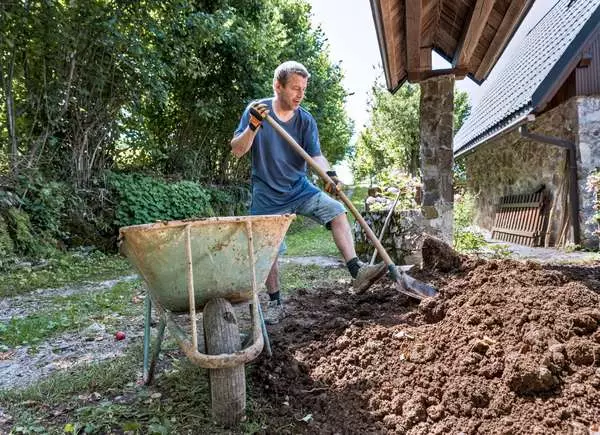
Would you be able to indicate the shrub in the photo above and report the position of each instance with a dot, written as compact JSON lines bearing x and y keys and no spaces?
{"x":6,"y":244}
{"x":465,"y":239}
{"x":143,"y":199}
{"x":44,"y":201}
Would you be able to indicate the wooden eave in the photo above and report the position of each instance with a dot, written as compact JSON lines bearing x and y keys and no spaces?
{"x":470,"y":34}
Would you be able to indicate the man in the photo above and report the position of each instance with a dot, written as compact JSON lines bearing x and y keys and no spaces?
{"x":279,"y":181}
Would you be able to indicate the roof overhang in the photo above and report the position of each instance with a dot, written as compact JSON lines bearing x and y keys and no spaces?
{"x":470,"y":34}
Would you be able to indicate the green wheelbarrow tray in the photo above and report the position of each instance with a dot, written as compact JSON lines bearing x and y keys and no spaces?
{"x":185,"y":264}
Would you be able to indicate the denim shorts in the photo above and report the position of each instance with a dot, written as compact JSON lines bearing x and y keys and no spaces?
{"x":320,"y":207}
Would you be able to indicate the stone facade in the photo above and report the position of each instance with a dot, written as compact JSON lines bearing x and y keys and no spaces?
{"x":437,"y":158}
{"x":511,"y":165}
{"x":588,"y":112}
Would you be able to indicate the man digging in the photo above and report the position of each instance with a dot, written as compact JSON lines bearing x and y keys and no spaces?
{"x":279,"y":175}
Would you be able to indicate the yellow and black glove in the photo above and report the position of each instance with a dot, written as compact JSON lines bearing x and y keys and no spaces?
{"x":333,"y":188}
{"x":258,"y":112}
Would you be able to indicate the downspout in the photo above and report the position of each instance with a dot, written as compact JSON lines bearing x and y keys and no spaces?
{"x":572,"y":161}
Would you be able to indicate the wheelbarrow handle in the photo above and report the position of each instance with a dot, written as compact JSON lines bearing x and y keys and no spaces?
{"x":321,"y":172}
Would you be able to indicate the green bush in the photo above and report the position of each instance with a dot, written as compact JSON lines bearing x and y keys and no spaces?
{"x":465,"y":239}
{"x":143,"y":199}
{"x":6,"y":244}
{"x":44,"y":201}
{"x":21,"y":232}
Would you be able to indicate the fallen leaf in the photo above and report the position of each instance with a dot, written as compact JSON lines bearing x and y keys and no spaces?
{"x":307,"y":418}
{"x":7,"y":355}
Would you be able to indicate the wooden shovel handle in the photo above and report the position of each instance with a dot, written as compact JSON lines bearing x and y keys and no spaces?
{"x":311,"y":162}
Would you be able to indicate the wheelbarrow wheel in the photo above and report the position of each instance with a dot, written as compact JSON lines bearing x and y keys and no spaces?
{"x":227,"y":386}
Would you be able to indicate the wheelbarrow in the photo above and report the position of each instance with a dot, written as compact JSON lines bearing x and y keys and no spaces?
{"x":207,"y":265}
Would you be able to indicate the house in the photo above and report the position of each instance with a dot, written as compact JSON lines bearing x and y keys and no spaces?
{"x":538,"y":124}
{"x":471,"y":34}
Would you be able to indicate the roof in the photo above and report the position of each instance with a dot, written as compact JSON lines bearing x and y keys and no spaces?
{"x":470,"y":34}
{"x":543,"y":61}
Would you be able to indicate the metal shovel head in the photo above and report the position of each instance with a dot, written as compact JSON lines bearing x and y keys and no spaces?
{"x":418,"y":286}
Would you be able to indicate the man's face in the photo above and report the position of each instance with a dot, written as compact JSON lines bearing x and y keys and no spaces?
{"x":292,"y":94}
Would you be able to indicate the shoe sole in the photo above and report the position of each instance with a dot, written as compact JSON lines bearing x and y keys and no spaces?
{"x":372,"y":281}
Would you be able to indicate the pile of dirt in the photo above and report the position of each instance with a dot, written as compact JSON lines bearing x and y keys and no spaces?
{"x":506,"y":347}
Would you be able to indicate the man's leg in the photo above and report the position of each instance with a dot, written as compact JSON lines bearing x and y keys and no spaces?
{"x":274,"y":311}
{"x":342,"y":236}
{"x":332,"y":214}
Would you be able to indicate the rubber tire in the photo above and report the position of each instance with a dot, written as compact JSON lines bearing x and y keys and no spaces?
{"x":227,"y":386}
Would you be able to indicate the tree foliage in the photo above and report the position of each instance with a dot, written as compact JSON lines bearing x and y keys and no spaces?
{"x":153,"y":85}
{"x":392,"y":140}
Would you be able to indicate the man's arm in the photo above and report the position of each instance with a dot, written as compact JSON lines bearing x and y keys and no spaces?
{"x":241,"y":143}
{"x":322,"y":162}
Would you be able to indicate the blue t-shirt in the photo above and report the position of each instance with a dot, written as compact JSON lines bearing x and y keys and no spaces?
{"x":278,"y":171}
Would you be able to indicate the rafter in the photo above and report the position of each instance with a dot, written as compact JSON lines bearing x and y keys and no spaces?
{"x":473,"y":32}
{"x":511,"y":19}
{"x":413,"y":27}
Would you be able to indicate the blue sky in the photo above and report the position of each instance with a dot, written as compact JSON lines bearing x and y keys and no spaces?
{"x":348,"y":26}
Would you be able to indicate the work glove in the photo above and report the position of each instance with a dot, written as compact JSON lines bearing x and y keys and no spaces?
{"x":331,"y":188}
{"x":258,"y":112}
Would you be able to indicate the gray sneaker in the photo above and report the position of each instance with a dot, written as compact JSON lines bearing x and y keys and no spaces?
{"x":274,"y":313}
{"x":367,"y":275}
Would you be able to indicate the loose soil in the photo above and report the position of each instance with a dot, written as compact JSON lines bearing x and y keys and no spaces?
{"x":507,"y":347}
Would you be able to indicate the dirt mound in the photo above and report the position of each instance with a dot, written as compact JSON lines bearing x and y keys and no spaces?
{"x":507,"y":347}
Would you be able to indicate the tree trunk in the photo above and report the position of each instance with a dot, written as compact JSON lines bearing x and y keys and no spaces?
{"x":10,"y":114}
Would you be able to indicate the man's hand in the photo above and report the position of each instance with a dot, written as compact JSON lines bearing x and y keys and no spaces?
{"x":258,"y":112}
{"x":330,"y":188}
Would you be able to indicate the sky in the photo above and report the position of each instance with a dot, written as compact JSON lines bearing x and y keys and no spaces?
{"x":350,"y":32}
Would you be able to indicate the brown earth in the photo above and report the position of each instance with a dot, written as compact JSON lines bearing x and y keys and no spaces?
{"x":507,"y":347}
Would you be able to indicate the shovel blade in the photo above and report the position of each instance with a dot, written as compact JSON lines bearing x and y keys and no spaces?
{"x":418,"y":286}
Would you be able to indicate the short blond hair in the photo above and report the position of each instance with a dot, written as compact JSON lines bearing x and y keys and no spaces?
{"x":284,"y":71}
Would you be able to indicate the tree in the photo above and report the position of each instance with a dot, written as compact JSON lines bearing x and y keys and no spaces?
{"x":154,"y":85}
{"x":392,"y":141}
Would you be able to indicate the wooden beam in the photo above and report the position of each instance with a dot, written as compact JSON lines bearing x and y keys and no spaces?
{"x":514,"y":14}
{"x":413,"y":34}
{"x":473,"y":32}
{"x":419,"y":76}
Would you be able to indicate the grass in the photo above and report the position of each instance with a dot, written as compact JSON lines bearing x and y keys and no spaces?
{"x":294,"y":277}
{"x":104,"y":397}
{"x":68,"y":313}
{"x":63,"y":270}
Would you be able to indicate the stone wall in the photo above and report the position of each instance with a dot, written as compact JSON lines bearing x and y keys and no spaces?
{"x":403,"y":237}
{"x":512,"y":165}
{"x":588,"y":110}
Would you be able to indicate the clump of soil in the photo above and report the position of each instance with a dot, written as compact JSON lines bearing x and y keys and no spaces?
{"x":438,"y":255}
{"x":506,"y":347}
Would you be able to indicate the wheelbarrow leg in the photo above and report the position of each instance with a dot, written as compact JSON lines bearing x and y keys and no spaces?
{"x":147,"y":318}
{"x":264,"y":331}
{"x":150,"y":366}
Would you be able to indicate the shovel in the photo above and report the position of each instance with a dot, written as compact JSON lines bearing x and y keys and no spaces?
{"x":405,"y":284}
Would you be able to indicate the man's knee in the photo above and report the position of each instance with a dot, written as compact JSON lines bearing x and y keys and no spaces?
{"x":338,"y":221}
